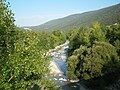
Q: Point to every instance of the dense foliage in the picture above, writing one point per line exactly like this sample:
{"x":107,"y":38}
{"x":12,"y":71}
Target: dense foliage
{"x":27,"y":66}
{"x":22,"y":61}
{"x":94,"y":52}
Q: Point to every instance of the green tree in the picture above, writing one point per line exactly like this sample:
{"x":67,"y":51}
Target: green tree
{"x":6,"y":29}
{"x":22,"y":63}
{"x":95,"y":51}
{"x":71,"y":63}
{"x":97,"y":33}
{"x":93,"y":62}
{"x":113,"y":36}
{"x":78,"y":38}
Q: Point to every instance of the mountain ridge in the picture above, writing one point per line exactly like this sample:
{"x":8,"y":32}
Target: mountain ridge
{"x":107,"y":16}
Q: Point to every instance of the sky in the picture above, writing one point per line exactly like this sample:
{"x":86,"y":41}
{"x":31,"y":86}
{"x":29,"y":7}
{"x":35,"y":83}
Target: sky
{"x":36,"y":12}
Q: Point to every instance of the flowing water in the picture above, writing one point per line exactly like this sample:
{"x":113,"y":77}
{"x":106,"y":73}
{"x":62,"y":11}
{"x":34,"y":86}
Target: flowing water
{"x":59,"y":58}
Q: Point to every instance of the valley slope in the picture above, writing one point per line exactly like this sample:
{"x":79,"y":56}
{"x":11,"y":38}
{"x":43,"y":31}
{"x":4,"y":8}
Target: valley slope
{"x":107,"y":16}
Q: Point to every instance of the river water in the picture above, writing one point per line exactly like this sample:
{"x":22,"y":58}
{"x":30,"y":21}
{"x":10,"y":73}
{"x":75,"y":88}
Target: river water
{"x":59,"y":58}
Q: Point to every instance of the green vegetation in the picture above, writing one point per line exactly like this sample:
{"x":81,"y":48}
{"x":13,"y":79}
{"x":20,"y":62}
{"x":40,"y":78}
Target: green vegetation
{"x":93,"y":55}
{"x":107,"y":16}
{"x":95,"y":52}
{"x":22,"y":61}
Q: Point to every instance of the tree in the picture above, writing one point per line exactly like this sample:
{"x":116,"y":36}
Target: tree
{"x":98,"y":60}
{"x":113,"y":36}
{"x":97,"y":33}
{"x":22,"y":64}
{"x":95,"y":52}
{"x":7,"y":36}
{"x":6,"y":29}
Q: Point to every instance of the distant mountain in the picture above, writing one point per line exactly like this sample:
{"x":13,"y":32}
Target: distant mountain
{"x":107,"y":16}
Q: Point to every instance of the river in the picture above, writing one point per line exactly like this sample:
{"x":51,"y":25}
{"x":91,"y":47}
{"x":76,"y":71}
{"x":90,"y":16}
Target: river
{"x":58,"y":68}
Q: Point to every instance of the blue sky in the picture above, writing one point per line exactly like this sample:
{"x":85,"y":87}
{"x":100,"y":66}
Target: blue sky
{"x":36,"y":12}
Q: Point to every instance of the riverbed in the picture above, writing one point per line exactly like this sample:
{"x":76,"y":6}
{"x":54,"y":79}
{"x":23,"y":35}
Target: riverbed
{"x":58,"y":68}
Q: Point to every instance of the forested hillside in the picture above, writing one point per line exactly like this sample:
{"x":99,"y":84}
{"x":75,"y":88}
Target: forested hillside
{"x":94,"y":56}
{"x":107,"y":16}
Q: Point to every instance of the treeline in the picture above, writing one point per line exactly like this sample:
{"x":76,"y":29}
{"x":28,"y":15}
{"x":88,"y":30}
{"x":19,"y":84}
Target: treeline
{"x":94,"y":55}
{"x":22,"y":61}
